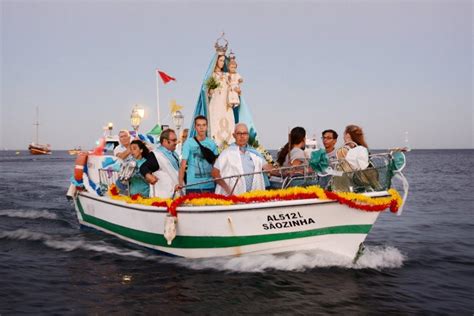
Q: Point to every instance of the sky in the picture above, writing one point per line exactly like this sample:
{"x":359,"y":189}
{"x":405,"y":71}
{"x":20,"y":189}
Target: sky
{"x":400,"y":69}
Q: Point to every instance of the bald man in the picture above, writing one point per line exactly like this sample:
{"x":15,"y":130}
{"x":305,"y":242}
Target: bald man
{"x":239,"y":158}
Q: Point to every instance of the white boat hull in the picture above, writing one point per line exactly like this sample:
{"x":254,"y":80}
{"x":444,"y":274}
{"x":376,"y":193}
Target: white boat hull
{"x":215,"y":231}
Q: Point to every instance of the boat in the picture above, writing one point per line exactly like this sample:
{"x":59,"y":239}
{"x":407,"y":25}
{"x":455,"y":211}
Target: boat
{"x":311,"y":145}
{"x":289,"y":219}
{"x":74,"y":151}
{"x":35,"y":147}
{"x":307,"y":217}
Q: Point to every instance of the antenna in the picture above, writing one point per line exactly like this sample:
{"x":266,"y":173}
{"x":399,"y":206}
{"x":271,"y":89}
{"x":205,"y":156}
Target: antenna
{"x":407,"y":144}
{"x":37,"y":126}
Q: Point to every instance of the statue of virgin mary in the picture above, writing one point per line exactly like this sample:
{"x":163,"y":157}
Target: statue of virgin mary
{"x":213,"y":103}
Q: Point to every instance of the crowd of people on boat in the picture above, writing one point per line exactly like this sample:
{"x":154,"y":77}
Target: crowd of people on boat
{"x":220,"y":150}
{"x":198,"y":167}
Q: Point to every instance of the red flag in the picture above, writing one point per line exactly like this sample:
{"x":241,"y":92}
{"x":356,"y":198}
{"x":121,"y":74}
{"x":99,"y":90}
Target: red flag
{"x":165,"y":77}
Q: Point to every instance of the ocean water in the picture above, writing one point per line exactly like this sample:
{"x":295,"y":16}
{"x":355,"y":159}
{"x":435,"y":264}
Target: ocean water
{"x":420,"y":262}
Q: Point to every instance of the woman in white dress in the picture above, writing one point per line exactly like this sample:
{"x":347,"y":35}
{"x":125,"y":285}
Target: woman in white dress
{"x":221,"y":115}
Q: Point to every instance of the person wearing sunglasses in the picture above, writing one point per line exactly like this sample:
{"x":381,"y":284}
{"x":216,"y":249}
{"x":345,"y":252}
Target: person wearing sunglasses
{"x":161,"y":167}
{"x":329,"y":138}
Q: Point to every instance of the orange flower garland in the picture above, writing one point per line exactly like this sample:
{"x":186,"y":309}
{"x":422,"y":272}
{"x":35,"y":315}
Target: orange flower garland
{"x":353,"y":200}
{"x":138,"y":199}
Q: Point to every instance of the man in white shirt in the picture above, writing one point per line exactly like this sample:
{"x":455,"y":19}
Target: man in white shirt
{"x":122,"y":151}
{"x":239,"y":158}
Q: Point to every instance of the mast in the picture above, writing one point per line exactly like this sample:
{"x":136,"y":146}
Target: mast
{"x":157,"y":97}
{"x":37,"y":126}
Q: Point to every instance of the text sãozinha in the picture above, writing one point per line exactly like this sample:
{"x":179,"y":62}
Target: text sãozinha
{"x":286,"y":220}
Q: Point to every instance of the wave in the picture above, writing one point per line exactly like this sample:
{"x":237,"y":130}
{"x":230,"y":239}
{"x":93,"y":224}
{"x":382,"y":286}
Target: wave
{"x":374,"y":257}
{"x":377,"y":258}
{"x":33,"y":214}
{"x":69,"y":244}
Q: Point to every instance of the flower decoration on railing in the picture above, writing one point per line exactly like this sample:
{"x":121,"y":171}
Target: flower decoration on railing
{"x":353,"y":200}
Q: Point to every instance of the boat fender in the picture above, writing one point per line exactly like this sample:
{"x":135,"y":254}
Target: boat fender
{"x":71,"y":192}
{"x":170,"y":228}
{"x":79,"y":165}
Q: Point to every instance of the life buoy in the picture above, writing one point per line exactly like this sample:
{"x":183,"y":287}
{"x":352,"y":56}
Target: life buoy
{"x":79,"y":165}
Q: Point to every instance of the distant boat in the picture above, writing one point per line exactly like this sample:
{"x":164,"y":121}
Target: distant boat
{"x":75,"y":151}
{"x":311,"y":145}
{"x":36,"y":148}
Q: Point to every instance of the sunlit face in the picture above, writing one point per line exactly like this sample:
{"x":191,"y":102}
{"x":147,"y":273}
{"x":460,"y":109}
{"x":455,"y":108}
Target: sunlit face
{"x":136,"y":151}
{"x":184,"y":136}
{"x":171,"y":142}
{"x":347,"y":137}
{"x":232,"y":68}
{"x":241,"y":135}
{"x":124,"y":138}
{"x":220,"y":62}
{"x":201,"y":127}
{"x":329,"y":141}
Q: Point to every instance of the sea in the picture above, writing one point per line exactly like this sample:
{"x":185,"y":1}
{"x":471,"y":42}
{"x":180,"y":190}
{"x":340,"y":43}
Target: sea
{"x":421,"y":262}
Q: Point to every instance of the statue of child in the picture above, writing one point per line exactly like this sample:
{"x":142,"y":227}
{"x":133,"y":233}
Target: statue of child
{"x":234,"y":80}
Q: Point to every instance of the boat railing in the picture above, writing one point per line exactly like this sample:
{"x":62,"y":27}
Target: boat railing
{"x":121,"y":178}
{"x":107,"y":177}
{"x":376,"y":177}
{"x":238,"y":177}
{"x":338,"y":177}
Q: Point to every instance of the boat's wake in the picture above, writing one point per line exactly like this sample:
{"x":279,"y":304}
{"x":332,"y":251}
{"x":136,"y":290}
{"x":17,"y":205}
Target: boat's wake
{"x":72,"y":243}
{"x":373,"y":258}
{"x":32,"y":214}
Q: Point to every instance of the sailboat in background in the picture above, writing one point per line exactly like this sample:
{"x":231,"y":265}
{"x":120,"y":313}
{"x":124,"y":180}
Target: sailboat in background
{"x":36,"y":148}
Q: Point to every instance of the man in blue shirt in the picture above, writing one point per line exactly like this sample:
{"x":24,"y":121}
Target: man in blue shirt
{"x":198,"y":168}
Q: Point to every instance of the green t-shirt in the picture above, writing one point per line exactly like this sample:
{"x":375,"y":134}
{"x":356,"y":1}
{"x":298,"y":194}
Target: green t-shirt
{"x":138,"y":184}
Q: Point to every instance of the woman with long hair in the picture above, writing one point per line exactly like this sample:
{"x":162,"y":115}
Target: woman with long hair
{"x":353,"y":161}
{"x":292,"y":154}
{"x":138,"y":184}
{"x":353,"y":137}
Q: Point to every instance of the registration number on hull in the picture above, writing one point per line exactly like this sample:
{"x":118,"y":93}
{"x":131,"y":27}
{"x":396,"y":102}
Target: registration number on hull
{"x":286,"y":220}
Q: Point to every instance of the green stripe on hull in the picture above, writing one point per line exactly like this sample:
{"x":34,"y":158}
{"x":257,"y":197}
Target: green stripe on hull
{"x":216,"y":241}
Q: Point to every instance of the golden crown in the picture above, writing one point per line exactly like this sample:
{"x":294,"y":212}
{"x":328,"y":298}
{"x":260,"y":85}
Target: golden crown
{"x":221,"y":49}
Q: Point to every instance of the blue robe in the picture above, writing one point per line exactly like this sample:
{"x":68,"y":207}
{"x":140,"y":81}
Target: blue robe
{"x":242,"y":112}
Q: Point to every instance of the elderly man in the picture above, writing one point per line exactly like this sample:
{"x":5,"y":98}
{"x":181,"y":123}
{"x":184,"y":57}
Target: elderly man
{"x":161,"y":166}
{"x":237,"y":159}
{"x":122,"y":151}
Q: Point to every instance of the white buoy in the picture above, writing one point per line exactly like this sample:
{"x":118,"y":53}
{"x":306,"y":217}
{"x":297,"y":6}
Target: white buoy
{"x":71,"y":192}
{"x":170,"y":228}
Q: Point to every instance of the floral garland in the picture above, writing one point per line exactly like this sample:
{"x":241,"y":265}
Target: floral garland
{"x":137,"y":198}
{"x":353,"y":200}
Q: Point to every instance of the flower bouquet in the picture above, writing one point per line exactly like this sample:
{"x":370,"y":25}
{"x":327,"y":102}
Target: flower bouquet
{"x":212,"y":83}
